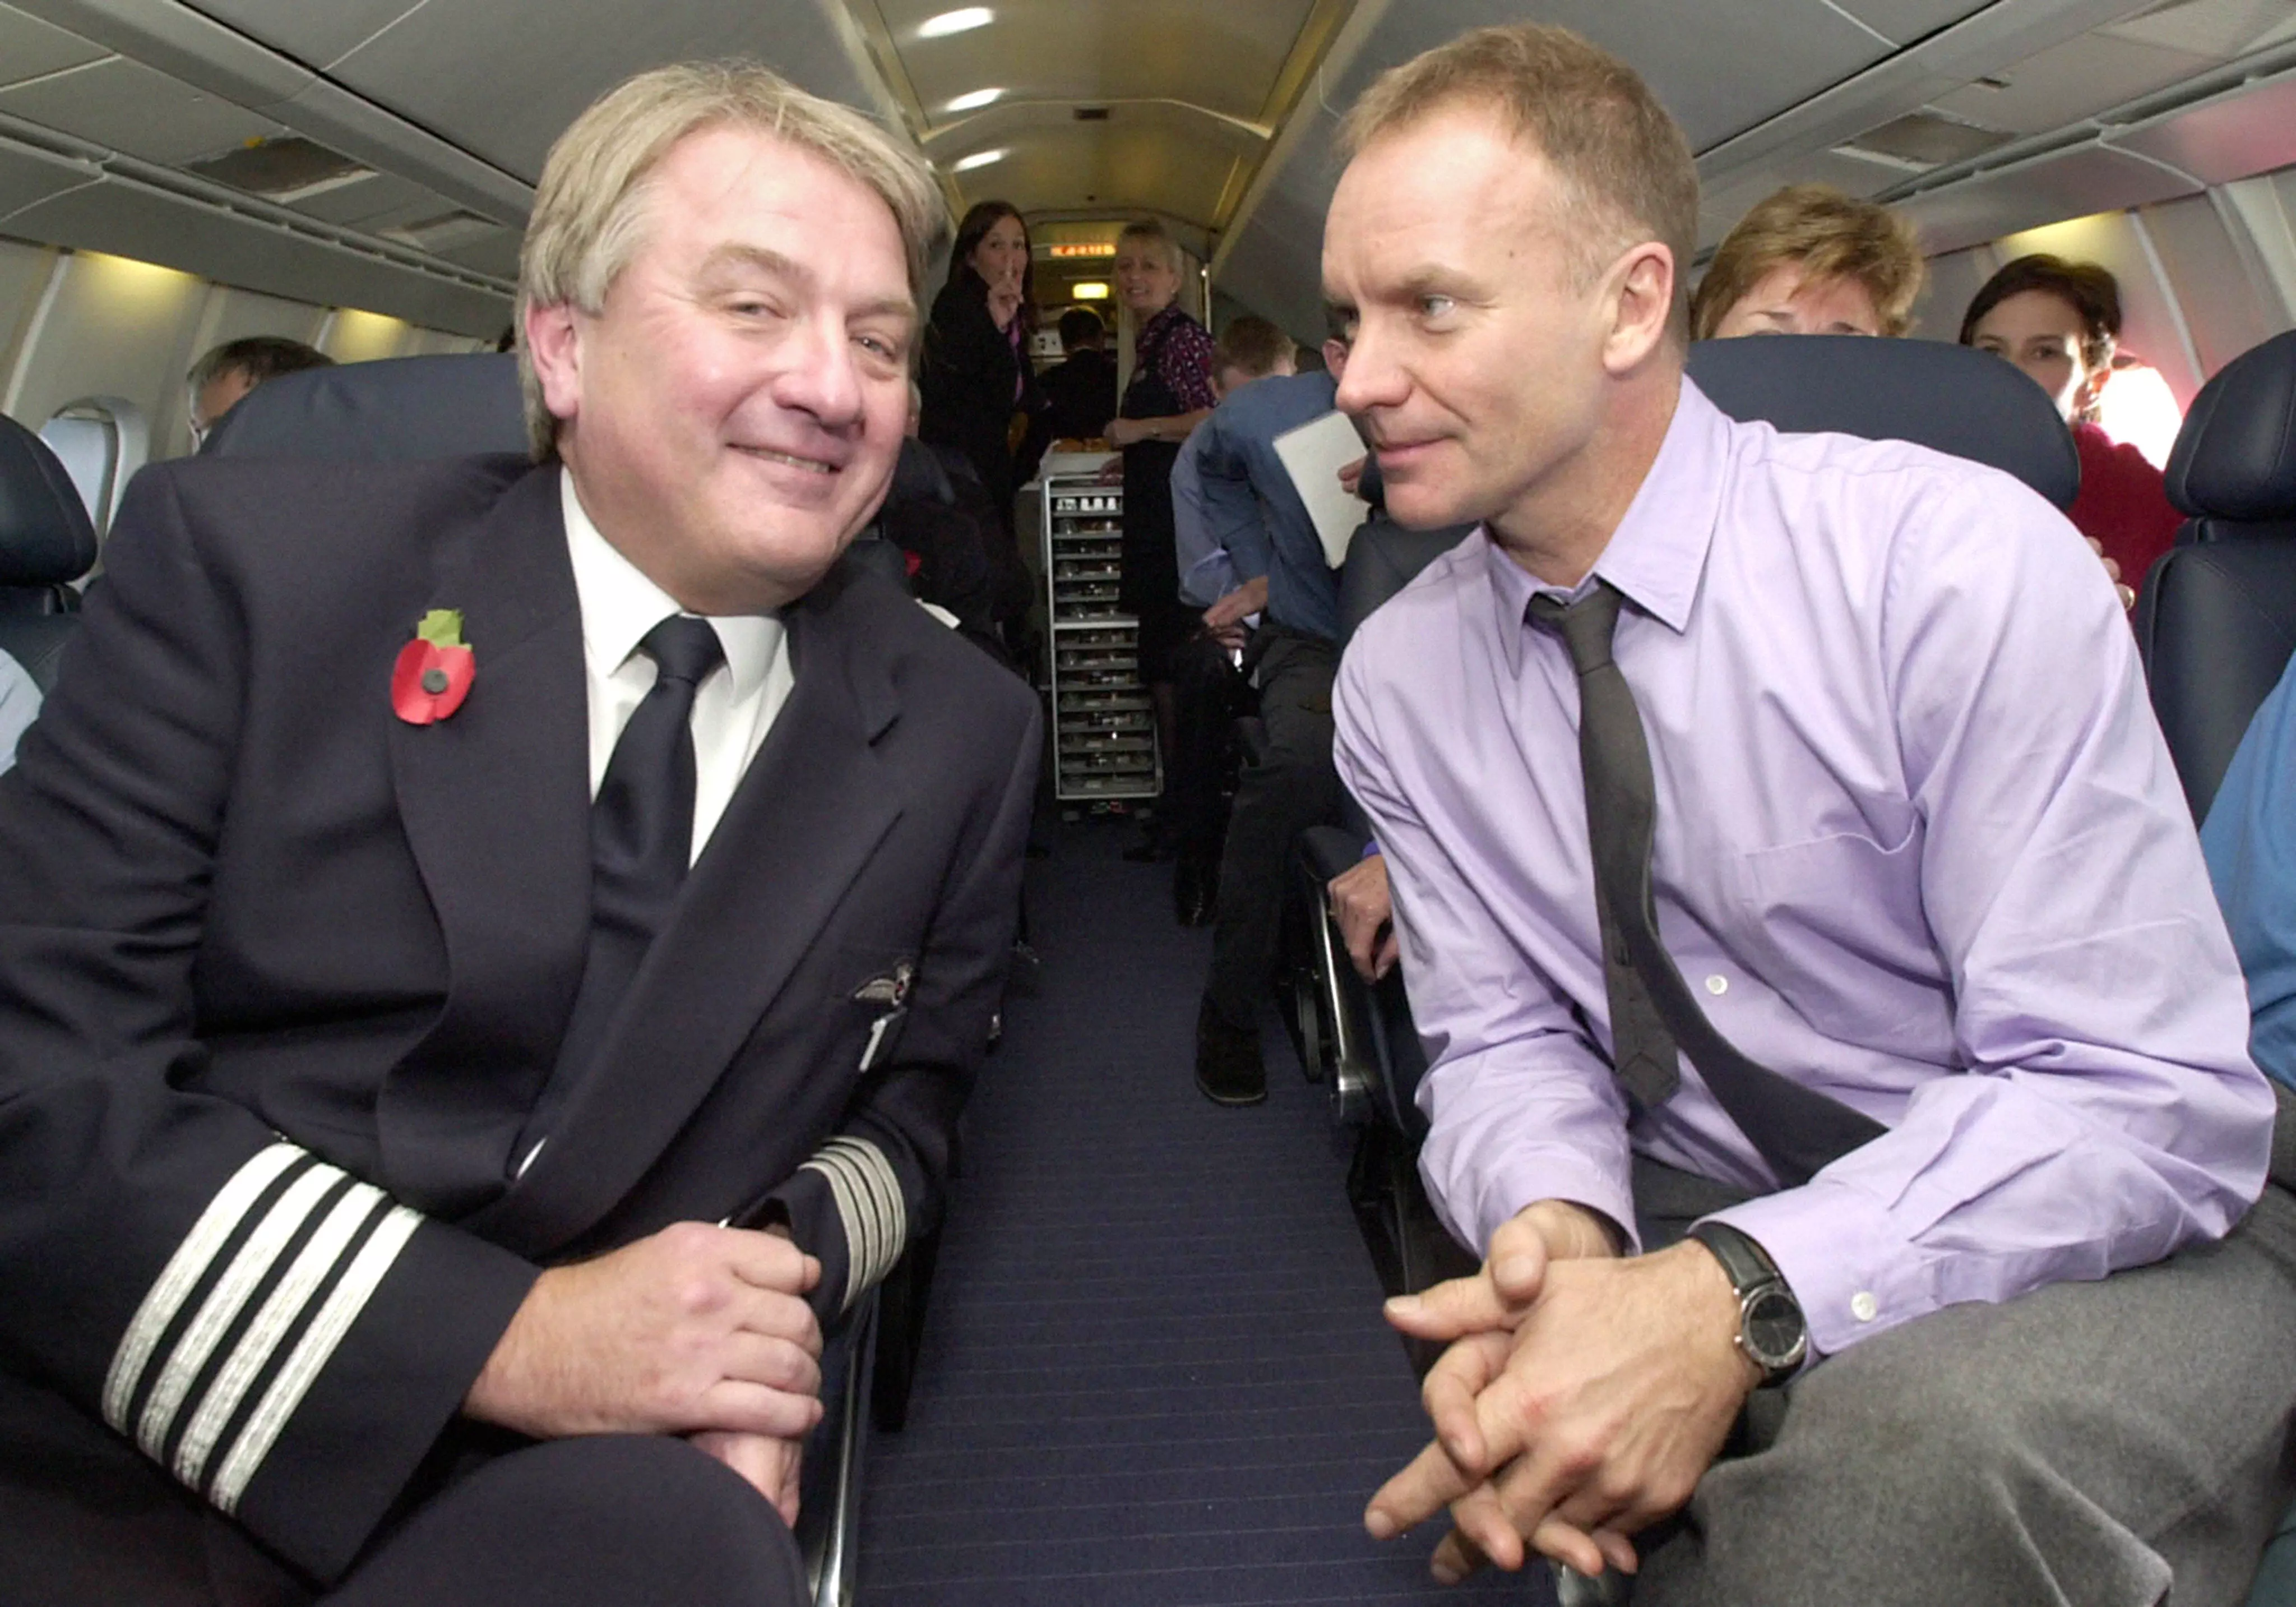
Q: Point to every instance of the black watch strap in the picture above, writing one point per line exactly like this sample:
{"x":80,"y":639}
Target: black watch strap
{"x":1748,"y":1265}
{"x":1772,"y":1331}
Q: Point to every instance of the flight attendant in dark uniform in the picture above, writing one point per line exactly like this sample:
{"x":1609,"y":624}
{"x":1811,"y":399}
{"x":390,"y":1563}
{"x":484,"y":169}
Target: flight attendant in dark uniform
{"x":975,"y":373}
{"x":1169,"y":394}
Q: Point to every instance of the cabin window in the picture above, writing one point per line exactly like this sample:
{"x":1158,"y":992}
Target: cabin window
{"x":102,"y":443}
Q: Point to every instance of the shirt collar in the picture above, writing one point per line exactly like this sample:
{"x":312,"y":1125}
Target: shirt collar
{"x":619,"y":605}
{"x":1656,"y":555}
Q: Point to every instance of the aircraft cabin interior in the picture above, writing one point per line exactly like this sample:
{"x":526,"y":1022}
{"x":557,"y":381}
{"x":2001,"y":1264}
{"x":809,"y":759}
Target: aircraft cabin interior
{"x":1142,"y":1360}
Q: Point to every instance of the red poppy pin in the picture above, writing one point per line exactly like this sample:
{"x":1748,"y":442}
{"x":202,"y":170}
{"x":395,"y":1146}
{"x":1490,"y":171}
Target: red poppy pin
{"x":434,"y":672}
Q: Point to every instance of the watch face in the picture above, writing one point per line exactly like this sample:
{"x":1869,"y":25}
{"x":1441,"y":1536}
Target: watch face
{"x":1775,"y":1335}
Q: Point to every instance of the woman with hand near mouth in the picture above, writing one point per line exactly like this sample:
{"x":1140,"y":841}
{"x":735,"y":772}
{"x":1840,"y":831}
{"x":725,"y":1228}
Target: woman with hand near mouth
{"x":976,"y":373}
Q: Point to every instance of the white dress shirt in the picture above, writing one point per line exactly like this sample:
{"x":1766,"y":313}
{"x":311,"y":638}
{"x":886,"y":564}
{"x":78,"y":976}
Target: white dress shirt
{"x":734,"y":708}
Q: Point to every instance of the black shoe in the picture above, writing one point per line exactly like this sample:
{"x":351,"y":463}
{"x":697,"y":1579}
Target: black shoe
{"x":1194,"y":891}
{"x":1227,"y":1060}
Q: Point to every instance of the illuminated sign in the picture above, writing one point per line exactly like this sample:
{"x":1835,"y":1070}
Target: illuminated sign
{"x":1093,"y":248}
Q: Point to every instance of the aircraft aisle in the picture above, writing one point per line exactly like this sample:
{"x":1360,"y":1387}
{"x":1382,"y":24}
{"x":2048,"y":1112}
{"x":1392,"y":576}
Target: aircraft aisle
{"x":1153,"y":1373}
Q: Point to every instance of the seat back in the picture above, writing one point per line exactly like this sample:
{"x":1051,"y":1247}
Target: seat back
{"x":1382,"y":558}
{"x":399,"y":408}
{"x":1950,"y":399}
{"x":46,"y":542}
{"x":2218,"y":620}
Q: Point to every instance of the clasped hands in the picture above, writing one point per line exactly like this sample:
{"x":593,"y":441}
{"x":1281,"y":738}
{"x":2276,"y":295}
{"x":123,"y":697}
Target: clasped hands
{"x":696,"y":1330}
{"x":1582,"y":1397}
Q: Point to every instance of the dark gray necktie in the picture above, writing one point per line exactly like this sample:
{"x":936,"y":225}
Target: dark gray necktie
{"x":1797,"y":1129}
{"x":640,"y":839}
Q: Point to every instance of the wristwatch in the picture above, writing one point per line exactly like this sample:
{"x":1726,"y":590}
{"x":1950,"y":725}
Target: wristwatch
{"x":1771,"y":1331}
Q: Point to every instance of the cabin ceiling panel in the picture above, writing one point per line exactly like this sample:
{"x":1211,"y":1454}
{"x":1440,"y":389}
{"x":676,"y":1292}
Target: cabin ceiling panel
{"x":1219,"y":54}
{"x":30,"y":48}
{"x":496,"y":254}
{"x":2234,"y":137}
{"x":126,"y":106}
{"x":1156,"y":156}
{"x":316,"y":35}
{"x":2070,"y":81}
{"x":375,"y":202}
{"x":29,"y":176}
{"x":130,"y":220}
{"x":1144,"y":165}
{"x":1903,"y":21}
{"x":1721,"y":69}
{"x":2224,"y":29}
{"x":2074,"y":184}
{"x":502,"y":81}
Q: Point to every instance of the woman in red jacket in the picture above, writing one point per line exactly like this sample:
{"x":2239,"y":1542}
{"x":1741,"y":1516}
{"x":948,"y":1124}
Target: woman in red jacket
{"x":2058,"y":321}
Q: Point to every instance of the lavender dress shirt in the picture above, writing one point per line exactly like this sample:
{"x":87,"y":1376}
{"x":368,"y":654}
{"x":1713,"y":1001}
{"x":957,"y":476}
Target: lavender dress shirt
{"x":1919,"y":845}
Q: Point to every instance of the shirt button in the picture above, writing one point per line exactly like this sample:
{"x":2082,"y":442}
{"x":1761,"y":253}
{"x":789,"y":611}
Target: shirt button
{"x":1864,"y":1306}
{"x":1717,"y":985}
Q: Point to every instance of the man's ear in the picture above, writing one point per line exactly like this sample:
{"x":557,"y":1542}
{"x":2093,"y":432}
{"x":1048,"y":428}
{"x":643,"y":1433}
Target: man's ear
{"x":1641,"y":303}
{"x":553,"y":340}
{"x":1335,"y":357}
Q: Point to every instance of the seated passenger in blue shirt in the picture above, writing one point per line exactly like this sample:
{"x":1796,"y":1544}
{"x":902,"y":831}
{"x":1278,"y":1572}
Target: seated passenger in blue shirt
{"x":19,"y":702}
{"x":2249,"y":839}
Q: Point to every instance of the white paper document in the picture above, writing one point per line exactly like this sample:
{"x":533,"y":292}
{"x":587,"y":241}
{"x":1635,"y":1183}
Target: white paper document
{"x":1313,"y":455}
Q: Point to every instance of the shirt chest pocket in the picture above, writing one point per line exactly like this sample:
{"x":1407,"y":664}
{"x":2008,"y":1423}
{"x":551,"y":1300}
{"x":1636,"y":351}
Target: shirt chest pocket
{"x":1835,"y":926}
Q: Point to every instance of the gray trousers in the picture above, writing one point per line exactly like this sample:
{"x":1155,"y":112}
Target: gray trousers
{"x":2114,"y":1444}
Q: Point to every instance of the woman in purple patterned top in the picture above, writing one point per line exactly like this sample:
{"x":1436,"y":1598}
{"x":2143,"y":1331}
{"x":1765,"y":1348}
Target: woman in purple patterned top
{"x":1171,"y":392}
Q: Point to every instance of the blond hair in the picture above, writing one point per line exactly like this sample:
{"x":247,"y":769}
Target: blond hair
{"x":1624,"y":167}
{"x":1828,"y":236}
{"x":590,"y":209}
{"x":1155,"y":232}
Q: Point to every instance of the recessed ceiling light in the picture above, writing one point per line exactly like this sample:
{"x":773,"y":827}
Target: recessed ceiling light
{"x":979,"y":159}
{"x":975,"y":100}
{"x":955,"y":22}
{"x":1089,"y":289}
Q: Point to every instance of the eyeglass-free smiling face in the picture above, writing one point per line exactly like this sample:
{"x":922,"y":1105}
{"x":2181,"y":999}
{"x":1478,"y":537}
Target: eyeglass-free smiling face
{"x":732,"y":412}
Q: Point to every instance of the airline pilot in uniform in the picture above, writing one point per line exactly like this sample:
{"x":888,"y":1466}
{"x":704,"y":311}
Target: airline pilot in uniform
{"x":440,"y":896}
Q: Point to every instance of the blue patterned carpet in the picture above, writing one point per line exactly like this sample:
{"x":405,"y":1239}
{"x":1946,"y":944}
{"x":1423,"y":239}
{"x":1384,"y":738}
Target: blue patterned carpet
{"x":1154,"y":1372}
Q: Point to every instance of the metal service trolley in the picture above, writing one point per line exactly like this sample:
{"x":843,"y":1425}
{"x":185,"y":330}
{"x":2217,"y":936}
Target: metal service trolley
{"x":1103,"y":725}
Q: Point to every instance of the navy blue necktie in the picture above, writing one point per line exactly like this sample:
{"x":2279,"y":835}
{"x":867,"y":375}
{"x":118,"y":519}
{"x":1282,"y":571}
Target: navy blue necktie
{"x":1798,"y":1129}
{"x":640,"y":839}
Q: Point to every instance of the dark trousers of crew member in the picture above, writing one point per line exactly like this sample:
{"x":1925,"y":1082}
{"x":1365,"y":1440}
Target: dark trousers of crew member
{"x":600,"y":1521}
{"x":1291,"y":787}
{"x":1212,"y":697}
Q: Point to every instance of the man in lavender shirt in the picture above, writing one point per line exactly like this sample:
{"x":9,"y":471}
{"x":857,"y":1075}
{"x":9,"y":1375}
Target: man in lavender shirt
{"x":1918,"y":847}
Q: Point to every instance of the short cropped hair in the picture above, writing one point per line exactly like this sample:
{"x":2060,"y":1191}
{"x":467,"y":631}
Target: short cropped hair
{"x":1153,"y":231}
{"x":2089,"y":290}
{"x":591,"y":209}
{"x":1250,"y":345}
{"x":1625,"y":167}
{"x":1828,"y":236}
{"x":1081,"y":327}
{"x":258,"y":357}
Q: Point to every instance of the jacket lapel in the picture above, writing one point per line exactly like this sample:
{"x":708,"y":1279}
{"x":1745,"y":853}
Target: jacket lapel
{"x":813,"y":807}
{"x":495,"y":801}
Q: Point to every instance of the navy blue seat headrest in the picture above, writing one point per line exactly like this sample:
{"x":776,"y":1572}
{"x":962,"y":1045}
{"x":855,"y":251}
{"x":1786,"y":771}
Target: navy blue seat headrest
{"x":2236,"y":457}
{"x":45,"y":537}
{"x":399,"y":408}
{"x":1950,"y":399}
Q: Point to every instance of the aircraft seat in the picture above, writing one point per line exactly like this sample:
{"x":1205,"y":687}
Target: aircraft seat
{"x":46,"y":542}
{"x":2218,"y":620}
{"x":395,"y":409}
